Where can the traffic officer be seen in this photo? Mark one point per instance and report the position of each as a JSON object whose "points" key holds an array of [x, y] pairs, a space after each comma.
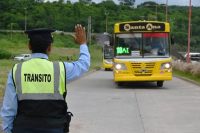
{"points": [[34, 100]]}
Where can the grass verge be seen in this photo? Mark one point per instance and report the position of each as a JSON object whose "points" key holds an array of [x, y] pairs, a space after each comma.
{"points": [[96, 57], [186, 75]]}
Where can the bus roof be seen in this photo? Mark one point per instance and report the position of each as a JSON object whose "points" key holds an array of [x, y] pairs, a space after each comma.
{"points": [[141, 26]]}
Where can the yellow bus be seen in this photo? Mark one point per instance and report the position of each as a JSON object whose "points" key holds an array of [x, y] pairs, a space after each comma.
{"points": [[107, 57], [142, 52]]}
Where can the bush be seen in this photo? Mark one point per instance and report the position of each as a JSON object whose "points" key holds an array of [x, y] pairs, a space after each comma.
{"points": [[193, 68], [5, 54], [187, 67], [64, 41], [196, 70]]}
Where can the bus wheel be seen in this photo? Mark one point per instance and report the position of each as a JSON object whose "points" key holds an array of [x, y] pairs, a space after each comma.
{"points": [[160, 83], [106, 69], [119, 84]]}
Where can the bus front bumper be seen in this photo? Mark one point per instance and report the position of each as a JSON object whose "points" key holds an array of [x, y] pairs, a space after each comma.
{"points": [[108, 66], [131, 77]]}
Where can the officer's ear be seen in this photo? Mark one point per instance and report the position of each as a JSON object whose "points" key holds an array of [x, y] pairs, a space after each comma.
{"points": [[49, 49], [30, 47]]}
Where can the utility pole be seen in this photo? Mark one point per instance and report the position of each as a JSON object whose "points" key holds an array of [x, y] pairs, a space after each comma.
{"points": [[189, 30], [11, 31], [156, 12], [106, 13], [166, 11], [89, 38], [25, 19]]}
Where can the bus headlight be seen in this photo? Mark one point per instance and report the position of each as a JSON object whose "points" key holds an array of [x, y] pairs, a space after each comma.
{"points": [[120, 66], [166, 66]]}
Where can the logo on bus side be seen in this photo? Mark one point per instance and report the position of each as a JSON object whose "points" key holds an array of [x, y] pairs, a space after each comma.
{"points": [[142, 27]]}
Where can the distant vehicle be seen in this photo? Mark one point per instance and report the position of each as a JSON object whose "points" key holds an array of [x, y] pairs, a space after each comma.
{"points": [[22, 57], [108, 54], [193, 56]]}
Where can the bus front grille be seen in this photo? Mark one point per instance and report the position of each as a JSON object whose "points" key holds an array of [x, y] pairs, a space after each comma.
{"points": [[142, 69]]}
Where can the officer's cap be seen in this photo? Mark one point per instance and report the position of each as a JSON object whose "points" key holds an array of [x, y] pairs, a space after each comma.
{"points": [[41, 35]]}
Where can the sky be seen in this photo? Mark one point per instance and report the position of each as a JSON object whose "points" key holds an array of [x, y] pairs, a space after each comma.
{"points": [[173, 2], [170, 2]]}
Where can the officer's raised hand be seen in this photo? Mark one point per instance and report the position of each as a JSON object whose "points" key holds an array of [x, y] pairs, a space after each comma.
{"points": [[80, 36]]}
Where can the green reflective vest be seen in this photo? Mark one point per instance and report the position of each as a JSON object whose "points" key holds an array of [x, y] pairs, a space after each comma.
{"points": [[39, 79]]}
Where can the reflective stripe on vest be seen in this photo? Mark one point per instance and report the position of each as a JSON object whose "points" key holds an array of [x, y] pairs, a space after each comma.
{"points": [[39, 79]]}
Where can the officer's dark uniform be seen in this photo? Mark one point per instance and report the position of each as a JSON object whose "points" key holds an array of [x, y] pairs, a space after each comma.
{"points": [[41, 90]]}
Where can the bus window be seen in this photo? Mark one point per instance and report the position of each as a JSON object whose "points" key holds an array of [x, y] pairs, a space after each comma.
{"points": [[156, 44], [108, 52], [128, 45]]}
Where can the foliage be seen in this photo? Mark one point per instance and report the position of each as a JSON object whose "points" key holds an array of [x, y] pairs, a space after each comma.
{"points": [[189, 71], [127, 2], [63, 15], [187, 75], [5, 54], [192, 68], [64, 41], [96, 57], [148, 3], [11, 40]]}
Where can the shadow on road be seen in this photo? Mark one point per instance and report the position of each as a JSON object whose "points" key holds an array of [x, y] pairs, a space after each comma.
{"points": [[138, 85]]}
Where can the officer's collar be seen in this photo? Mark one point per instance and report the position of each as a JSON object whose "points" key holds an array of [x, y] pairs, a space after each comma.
{"points": [[39, 55]]}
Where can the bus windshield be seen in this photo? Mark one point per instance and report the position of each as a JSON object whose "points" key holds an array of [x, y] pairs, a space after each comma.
{"points": [[108, 52], [142, 45]]}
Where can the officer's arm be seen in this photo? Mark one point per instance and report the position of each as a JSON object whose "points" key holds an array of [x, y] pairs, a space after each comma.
{"points": [[77, 68], [9, 107]]}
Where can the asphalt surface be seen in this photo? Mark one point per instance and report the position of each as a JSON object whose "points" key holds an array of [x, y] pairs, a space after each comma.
{"points": [[99, 106]]}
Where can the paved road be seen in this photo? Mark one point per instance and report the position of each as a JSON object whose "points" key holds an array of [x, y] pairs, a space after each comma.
{"points": [[101, 107]]}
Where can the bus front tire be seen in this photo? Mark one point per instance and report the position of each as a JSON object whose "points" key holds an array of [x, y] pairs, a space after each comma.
{"points": [[160, 83], [119, 84]]}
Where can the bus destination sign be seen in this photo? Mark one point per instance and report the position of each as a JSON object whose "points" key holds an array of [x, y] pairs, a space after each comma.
{"points": [[146, 26]]}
